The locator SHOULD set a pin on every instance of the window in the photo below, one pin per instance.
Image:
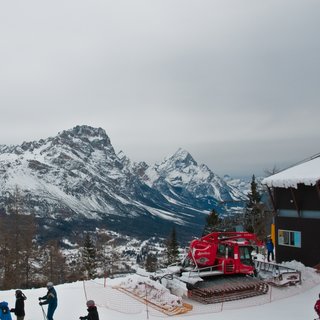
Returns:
(289, 238)
(245, 255)
(221, 249)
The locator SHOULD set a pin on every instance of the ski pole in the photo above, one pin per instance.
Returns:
(44, 313)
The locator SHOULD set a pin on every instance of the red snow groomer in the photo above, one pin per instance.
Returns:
(228, 255)
(225, 252)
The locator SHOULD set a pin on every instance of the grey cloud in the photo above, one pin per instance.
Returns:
(209, 76)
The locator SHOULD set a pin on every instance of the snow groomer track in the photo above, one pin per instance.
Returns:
(227, 289)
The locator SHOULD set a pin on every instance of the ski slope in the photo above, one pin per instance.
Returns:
(113, 304)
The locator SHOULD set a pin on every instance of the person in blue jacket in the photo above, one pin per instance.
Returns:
(5, 311)
(51, 300)
(270, 248)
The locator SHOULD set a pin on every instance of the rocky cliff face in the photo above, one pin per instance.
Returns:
(76, 181)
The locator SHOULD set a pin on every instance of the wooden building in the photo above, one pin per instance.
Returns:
(295, 196)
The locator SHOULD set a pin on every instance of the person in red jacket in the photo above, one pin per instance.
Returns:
(317, 307)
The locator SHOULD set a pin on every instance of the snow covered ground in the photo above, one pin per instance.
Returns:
(289, 303)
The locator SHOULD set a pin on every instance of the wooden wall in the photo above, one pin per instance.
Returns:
(309, 253)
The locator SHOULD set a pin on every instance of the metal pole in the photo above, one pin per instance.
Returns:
(147, 309)
(44, 313)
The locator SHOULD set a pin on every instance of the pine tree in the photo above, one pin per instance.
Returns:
(103, 253)
(255, 212)
(212, 221)
(88, 256)
(172, 248)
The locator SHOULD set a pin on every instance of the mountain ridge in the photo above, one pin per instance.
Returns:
(76, 179)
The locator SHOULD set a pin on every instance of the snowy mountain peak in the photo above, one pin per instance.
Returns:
(76, 176)
(86, 132)
(96, 137)
(179, 176)
(180, 159)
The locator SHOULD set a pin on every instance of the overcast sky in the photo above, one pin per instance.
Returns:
(234, 82)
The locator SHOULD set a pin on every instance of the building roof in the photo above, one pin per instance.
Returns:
(307, 172)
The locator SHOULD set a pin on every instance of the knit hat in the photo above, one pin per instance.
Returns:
(90, 303)
(49, 285)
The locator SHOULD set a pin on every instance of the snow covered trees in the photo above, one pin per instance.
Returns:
(151, 262)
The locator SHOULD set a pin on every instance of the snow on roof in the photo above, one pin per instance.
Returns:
(307, 173)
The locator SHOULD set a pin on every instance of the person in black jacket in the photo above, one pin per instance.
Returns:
(19, 306)
(92, 311)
